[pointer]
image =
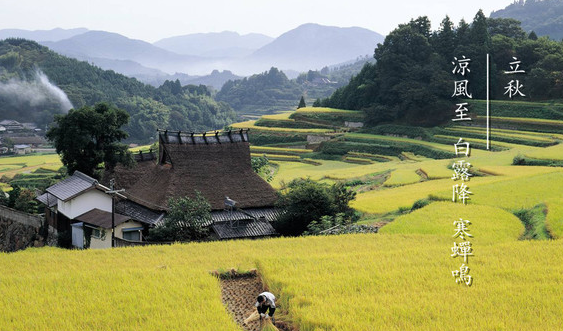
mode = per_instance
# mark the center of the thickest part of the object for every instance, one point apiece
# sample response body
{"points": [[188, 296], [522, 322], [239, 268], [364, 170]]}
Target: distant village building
{"points": [[32, 140], [19, 134], [12, 126], [22, 149]]}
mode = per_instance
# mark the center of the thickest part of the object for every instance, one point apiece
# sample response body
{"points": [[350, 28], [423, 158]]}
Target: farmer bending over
{"points": [[265, 302]]}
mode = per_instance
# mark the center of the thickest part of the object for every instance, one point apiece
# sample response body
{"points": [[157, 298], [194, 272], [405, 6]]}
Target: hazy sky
{"points": [[156, 19]]}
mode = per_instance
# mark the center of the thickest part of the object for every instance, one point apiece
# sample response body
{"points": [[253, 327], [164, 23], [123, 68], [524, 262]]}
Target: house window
{"points": [[97, 233], [133, 234]]}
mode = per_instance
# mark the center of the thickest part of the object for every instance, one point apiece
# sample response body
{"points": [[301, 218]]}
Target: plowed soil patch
{"points": [[239, 295]]}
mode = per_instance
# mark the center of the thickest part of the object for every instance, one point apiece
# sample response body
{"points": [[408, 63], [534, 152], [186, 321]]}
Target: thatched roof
{"points": [[217, 165]]}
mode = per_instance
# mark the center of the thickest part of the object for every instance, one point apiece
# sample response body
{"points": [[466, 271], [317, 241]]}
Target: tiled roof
{"points": [[10, 122], [72, 186], [101, 218], [138, 212], [47, 199], [245, 229], [270, 214]]}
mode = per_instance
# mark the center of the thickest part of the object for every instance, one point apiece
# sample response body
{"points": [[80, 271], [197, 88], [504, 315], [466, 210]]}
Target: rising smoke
{"points": [[35, 93]]}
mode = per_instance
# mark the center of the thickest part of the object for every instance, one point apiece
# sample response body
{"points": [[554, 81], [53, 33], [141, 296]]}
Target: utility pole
{"points": [[113, 192]]}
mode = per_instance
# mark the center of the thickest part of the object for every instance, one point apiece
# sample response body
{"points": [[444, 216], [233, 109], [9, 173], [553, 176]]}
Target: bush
{"points": [[325, 223], [420, 204], [186, 220], [528, 161], [267, 139], [304, 201]]}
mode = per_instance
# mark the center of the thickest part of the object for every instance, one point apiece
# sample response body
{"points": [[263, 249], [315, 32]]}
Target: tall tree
{"points": [[462, 34], [301, 103], [445, 39], [87, 137]]}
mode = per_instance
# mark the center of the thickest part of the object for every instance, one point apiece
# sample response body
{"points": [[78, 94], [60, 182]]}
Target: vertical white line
{"points": [[488, 118]]}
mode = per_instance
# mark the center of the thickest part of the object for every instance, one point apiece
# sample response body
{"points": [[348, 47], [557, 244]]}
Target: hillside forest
{"points": [[24, 65], [412, 80], [542, 17]]}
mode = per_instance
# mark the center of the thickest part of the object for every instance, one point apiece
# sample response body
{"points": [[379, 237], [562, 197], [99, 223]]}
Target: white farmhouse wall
{"points": [[84, 203]]}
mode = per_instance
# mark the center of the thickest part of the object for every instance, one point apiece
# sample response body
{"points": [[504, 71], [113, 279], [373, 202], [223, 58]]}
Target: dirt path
{"points": [[239, 295]]}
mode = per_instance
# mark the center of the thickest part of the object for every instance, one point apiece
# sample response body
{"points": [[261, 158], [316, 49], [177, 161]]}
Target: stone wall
{"points": [[19, 230]]}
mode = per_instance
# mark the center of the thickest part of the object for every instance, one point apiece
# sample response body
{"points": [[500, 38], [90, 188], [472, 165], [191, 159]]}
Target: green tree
{"points": [[301, 103], [87, 137], [187, 219]]}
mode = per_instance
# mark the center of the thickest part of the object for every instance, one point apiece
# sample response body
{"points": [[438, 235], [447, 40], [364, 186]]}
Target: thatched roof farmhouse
{"points": [[218, 165]]}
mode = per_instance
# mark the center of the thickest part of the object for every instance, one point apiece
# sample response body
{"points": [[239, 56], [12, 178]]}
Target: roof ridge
{"points": [[85, 177]]}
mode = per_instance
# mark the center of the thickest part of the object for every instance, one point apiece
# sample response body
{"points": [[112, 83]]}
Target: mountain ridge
{"points": [[317, 46]]}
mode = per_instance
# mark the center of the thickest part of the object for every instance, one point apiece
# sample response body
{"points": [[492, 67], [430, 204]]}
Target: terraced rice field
{"points": [[250, 125], [10, 166]]}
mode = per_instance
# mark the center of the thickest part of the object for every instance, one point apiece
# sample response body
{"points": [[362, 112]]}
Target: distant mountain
{"points": [[124, 67], [545, 17], [222, 44], [42, 35], [313, 46], [216, 79], [107, 45], [308, 47]]}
